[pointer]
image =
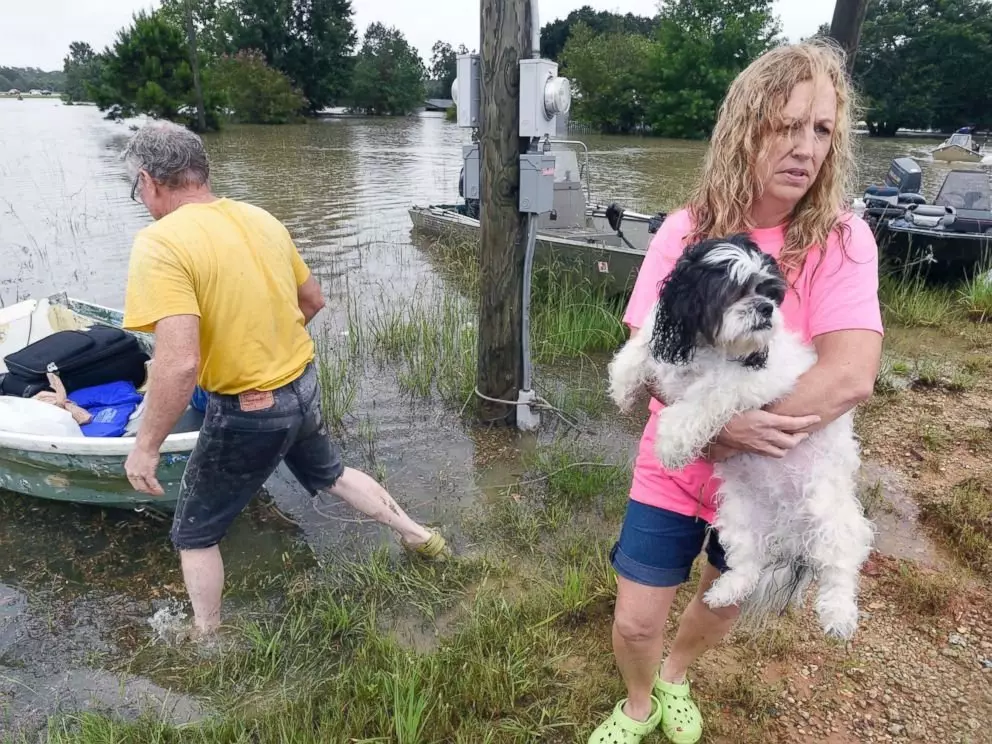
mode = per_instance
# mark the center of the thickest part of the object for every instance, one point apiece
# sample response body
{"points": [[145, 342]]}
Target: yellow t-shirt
{"points": [[235, 266]]}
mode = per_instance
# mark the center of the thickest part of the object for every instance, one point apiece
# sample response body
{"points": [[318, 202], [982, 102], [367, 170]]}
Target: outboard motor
{"points": [[903, 184]]}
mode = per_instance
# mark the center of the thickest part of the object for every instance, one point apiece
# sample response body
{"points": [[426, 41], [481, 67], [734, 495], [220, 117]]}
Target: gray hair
{"points": [[171, 154]]}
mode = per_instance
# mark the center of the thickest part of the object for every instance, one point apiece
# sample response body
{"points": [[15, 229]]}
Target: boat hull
{"points": [[955, 154], [954, 255], [91, 471], [87, 479], [608, 267]]}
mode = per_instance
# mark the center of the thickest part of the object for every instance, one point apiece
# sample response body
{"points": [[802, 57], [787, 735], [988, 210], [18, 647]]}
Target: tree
{"points": [[82, 68], [212, 19], [147, 71], [922, 63], [257, 93], [701, 47], [389, 74], [554, 35], [309, 40], [444, 67], [610, 75]]}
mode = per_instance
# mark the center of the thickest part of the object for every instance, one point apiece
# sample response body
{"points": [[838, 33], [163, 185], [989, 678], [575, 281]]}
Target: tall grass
{"points": [[908, 300], [338, 381], [975, 295]]}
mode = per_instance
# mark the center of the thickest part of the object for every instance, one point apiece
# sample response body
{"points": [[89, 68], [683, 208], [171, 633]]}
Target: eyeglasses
{"points": [[134, 187]]}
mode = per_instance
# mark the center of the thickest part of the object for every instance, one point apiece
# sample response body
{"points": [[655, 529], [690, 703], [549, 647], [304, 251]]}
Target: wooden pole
{"points": [[201, 112], [506, 39], [845, 27]]}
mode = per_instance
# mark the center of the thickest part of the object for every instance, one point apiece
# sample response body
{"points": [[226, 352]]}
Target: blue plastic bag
{"points": [[111, 406]]}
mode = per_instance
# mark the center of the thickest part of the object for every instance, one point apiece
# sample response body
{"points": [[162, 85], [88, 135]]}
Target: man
{"points": [[223, 288]]}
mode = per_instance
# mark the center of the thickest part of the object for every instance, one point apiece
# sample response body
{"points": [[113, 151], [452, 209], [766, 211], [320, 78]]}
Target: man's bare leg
{"points": [[366, 495], [203, 572]]}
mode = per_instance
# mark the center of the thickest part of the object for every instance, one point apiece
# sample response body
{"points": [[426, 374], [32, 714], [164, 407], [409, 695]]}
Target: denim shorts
{"points": [[657, 547], [238, 450]]}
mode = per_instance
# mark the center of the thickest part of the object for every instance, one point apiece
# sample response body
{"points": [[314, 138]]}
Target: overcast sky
{"points": [[37, 33]]}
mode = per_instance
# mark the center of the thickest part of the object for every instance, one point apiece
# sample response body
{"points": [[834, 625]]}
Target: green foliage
{"points": [[555, 35], [255, 92], [311, 41], [82, 68], [923, 64], [147, 71], [30, 78], [213, 21], [389, 74], [701, 47], [672, 84], [610, 72], [444, 68]]}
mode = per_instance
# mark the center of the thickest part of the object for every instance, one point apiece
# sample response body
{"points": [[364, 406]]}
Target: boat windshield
{"points": [[963, 140], [965, 190]]}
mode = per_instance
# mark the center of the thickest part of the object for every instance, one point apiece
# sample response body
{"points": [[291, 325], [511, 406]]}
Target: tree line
{"points": [[260, 61], [921, 63], [29, 78]]}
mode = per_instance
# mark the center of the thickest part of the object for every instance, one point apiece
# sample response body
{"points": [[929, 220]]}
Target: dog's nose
{"points": [[765, 309]]}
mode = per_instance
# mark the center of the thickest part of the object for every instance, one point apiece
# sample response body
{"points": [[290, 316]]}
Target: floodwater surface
{"points": [[78, 585]]}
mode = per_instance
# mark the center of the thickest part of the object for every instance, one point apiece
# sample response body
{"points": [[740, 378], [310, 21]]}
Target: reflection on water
{"points": [[343, 188]]}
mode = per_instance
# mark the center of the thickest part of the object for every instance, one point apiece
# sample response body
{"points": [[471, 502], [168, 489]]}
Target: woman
{"points": [[778, 167]]}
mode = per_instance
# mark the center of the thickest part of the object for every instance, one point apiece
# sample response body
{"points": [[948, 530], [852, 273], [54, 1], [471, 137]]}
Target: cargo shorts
{"points": [[243, 440]]}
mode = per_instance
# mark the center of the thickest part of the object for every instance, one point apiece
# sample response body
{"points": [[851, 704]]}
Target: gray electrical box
{"points": [[537, 182], [471, 188]]}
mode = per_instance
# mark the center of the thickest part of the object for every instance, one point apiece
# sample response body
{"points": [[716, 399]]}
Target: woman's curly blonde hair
{"points": [[750, 114]]}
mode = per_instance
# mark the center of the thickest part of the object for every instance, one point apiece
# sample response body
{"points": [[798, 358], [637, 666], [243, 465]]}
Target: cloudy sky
{"points": [[37, 33]]}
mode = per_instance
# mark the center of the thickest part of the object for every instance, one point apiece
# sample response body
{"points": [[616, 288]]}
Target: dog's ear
{"points": [[685, 310]]}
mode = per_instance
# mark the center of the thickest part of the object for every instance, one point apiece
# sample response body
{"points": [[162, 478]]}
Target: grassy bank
{"points": [[510, 640]]}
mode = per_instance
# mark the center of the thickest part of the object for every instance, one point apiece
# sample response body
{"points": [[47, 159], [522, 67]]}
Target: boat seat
{"points": [[929, 215], [882, 193], [974, 221]]}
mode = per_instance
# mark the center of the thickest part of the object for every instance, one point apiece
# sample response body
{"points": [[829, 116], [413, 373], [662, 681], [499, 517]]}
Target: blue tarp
{"points": [[111, 405]]}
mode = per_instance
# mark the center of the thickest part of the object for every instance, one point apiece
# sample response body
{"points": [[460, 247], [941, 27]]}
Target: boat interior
{"points": [[31, 320]]}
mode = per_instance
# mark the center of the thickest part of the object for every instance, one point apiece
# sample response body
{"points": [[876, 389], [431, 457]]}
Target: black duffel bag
{"points": [[81, 359]]}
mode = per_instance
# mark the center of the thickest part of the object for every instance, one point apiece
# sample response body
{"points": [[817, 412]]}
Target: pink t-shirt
{"points": [[841, 293]]}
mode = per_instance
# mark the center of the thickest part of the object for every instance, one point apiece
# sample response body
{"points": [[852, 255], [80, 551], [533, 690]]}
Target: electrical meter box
{"points": [[471, 188], [535, 118], [537, 182], [467, 90]]}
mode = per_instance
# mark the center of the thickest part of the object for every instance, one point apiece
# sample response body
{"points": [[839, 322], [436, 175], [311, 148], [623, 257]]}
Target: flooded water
{"points": [[77, 583]]}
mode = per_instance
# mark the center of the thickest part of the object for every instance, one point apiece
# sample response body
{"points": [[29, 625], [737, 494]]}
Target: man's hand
{"points": [[141, 466], [764, 433]]}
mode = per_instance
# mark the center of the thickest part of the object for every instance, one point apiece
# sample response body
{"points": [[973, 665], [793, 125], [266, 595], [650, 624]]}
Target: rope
{"points": [[539, 403]]}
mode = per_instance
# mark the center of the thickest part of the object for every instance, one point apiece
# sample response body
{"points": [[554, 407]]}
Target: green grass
{"points": [[431, 336], [338, 381], [963, 516], [909, 301], [975, 296]]}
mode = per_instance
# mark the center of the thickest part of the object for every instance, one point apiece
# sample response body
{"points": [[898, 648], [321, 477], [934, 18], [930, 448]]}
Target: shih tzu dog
{"points": [[713, 346]]}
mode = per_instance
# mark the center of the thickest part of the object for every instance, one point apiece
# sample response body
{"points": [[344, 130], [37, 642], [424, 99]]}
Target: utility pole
{"points": [[506, 39], [845, 28], [201, 112]]}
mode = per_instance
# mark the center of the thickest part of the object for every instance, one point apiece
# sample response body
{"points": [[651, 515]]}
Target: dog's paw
{"points": [[671, 453], [838, 621], [623, 398], [722, 594]]}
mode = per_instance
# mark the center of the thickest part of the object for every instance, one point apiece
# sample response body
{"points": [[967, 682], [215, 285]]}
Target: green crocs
{"points": [[435, 549], [620, 728], [680, 718]]}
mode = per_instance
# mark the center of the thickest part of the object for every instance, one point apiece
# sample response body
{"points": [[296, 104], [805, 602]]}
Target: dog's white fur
{"points": [[781, 521]]}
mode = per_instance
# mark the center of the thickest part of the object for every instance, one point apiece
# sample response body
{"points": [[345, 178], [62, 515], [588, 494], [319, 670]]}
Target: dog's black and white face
{"points": [[723, 293]]}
